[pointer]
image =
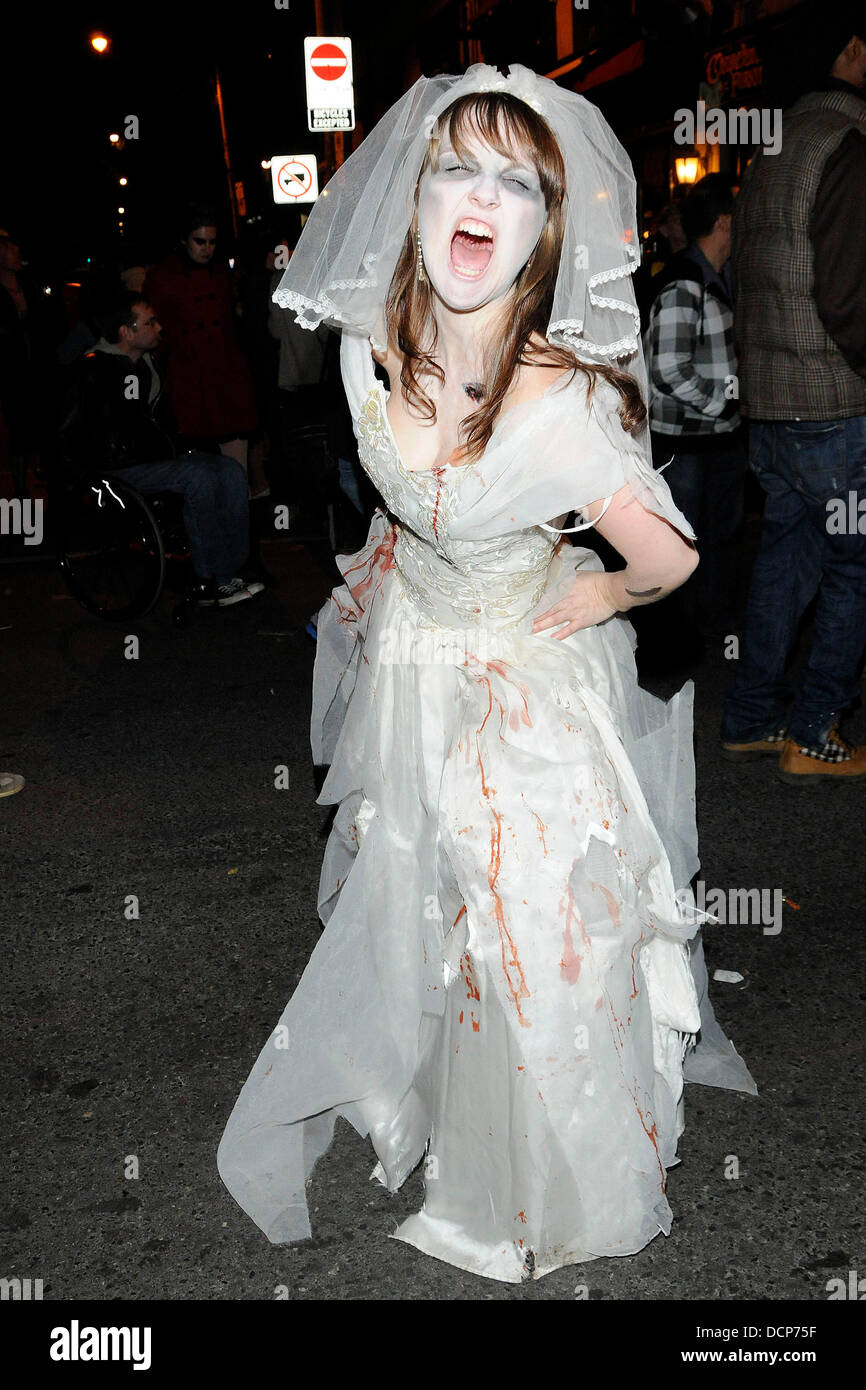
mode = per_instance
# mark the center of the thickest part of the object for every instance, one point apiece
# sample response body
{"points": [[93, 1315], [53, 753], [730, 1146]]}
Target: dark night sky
{"points": [[58, 193], [59, 101]]}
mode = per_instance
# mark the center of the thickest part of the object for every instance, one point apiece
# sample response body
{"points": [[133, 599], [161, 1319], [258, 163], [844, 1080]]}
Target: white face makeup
{"points": [[480, 219]]}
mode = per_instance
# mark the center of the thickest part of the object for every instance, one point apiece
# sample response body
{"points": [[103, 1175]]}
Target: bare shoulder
{"points": [[538, 373], [541, 353]]}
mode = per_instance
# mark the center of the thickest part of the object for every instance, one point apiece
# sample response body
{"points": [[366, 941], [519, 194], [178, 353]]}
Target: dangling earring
{"points": [[419, 259]]}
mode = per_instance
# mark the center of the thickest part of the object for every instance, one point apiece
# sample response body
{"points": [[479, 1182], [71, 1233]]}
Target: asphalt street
{"points": [[150, 788]]}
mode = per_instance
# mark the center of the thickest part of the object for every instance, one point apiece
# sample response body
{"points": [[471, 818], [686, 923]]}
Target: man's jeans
{"points": [[807, 547], [215, 507]]}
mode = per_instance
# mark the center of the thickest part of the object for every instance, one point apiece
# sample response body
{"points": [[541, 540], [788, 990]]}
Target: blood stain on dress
{"points": [[523, 690], [437, 473], [612, 905], [570, 961], [634, 989], [652, 1134], [510, 960], [472, 990], [541, 829], [375, 565]]}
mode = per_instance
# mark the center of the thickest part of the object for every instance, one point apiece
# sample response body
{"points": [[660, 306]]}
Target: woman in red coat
{"points": [[207, 379]]}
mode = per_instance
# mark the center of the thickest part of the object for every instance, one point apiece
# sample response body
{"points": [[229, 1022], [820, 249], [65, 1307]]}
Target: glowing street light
{"points": [[688, 167], [99, 43], [121, 210], [123, 182], [115, 139]]}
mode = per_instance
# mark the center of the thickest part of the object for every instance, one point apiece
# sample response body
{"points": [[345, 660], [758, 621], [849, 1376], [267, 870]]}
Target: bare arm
{"points": [[658, 560]]}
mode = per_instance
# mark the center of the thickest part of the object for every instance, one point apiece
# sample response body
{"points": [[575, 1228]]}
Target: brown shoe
{"points": [[755, 748], [837, 761]]}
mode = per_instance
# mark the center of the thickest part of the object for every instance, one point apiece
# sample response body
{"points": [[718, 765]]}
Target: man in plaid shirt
{"points": [[693, 411]]}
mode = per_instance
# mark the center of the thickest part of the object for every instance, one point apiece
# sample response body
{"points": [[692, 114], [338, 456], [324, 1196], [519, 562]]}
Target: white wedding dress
{"points": [[503, 987]]}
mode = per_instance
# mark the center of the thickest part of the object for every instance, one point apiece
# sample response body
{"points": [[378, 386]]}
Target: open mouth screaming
{"points": [[471, 249]]}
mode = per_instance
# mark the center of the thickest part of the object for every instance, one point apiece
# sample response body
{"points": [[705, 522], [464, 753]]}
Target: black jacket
{"points": [[115, 415]]}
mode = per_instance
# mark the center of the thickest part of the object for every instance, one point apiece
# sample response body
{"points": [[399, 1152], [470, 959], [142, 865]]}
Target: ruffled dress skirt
{"points": [[503, 991]]}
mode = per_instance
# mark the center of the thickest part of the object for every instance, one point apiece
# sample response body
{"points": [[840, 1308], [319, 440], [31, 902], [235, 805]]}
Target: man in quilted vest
{"points": [[799, 261]]}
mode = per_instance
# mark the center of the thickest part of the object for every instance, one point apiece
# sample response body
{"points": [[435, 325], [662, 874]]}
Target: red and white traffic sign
{"points": [[328, 61], [294, 178], [330, 94]]}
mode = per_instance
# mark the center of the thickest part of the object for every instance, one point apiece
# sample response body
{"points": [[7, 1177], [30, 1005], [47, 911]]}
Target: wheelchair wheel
{"points": [[110, 549]]}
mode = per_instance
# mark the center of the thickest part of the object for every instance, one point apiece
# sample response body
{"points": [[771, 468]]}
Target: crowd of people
{"points": [[184, 375], [179, 377], [756, 348], [510, 986]]}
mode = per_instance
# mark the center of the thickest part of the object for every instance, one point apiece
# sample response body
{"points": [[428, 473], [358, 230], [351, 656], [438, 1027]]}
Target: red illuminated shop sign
{"points": [[733, 71]]}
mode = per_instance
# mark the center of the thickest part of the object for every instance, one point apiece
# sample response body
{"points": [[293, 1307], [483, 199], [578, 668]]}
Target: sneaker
{"points": [[10, 782], [253, 586], [234, 591], [744, 752], [834, 761]]}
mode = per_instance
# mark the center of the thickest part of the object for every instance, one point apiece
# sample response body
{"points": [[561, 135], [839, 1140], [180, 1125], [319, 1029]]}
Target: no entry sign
{"points": [[294, 178], [330, 95], [328, 61]]}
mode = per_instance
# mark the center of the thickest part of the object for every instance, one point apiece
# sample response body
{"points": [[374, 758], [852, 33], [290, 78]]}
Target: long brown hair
{"points": [[504, 123]]}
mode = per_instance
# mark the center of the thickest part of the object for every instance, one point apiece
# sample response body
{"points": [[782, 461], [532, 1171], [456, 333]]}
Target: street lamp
{"points": [[99, 43], [688, 168]]}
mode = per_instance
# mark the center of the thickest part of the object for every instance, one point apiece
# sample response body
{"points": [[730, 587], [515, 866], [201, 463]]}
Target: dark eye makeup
{"points": [[449, 165]]}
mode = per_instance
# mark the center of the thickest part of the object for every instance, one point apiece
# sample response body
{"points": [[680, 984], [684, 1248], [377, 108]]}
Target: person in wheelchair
{"points": [[116, 421]]}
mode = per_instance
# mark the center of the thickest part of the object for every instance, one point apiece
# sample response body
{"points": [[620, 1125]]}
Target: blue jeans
{"points": [[215, 507], [349, 483], [802, 465]]}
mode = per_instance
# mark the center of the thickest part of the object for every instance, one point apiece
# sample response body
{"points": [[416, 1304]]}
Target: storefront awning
{"points": [[628, 60]]}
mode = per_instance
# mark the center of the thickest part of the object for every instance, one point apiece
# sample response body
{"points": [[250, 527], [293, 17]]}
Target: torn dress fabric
{"points": [[503, 987]]}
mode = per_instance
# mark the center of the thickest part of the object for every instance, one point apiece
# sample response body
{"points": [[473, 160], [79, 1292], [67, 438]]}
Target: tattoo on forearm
{"points": [[643, 593]]}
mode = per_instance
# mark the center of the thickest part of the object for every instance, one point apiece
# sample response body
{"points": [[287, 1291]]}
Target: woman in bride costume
{"points": [[504, 989]]}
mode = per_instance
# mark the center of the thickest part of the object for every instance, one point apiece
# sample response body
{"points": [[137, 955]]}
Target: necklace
{"points": [[474, 390]]}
